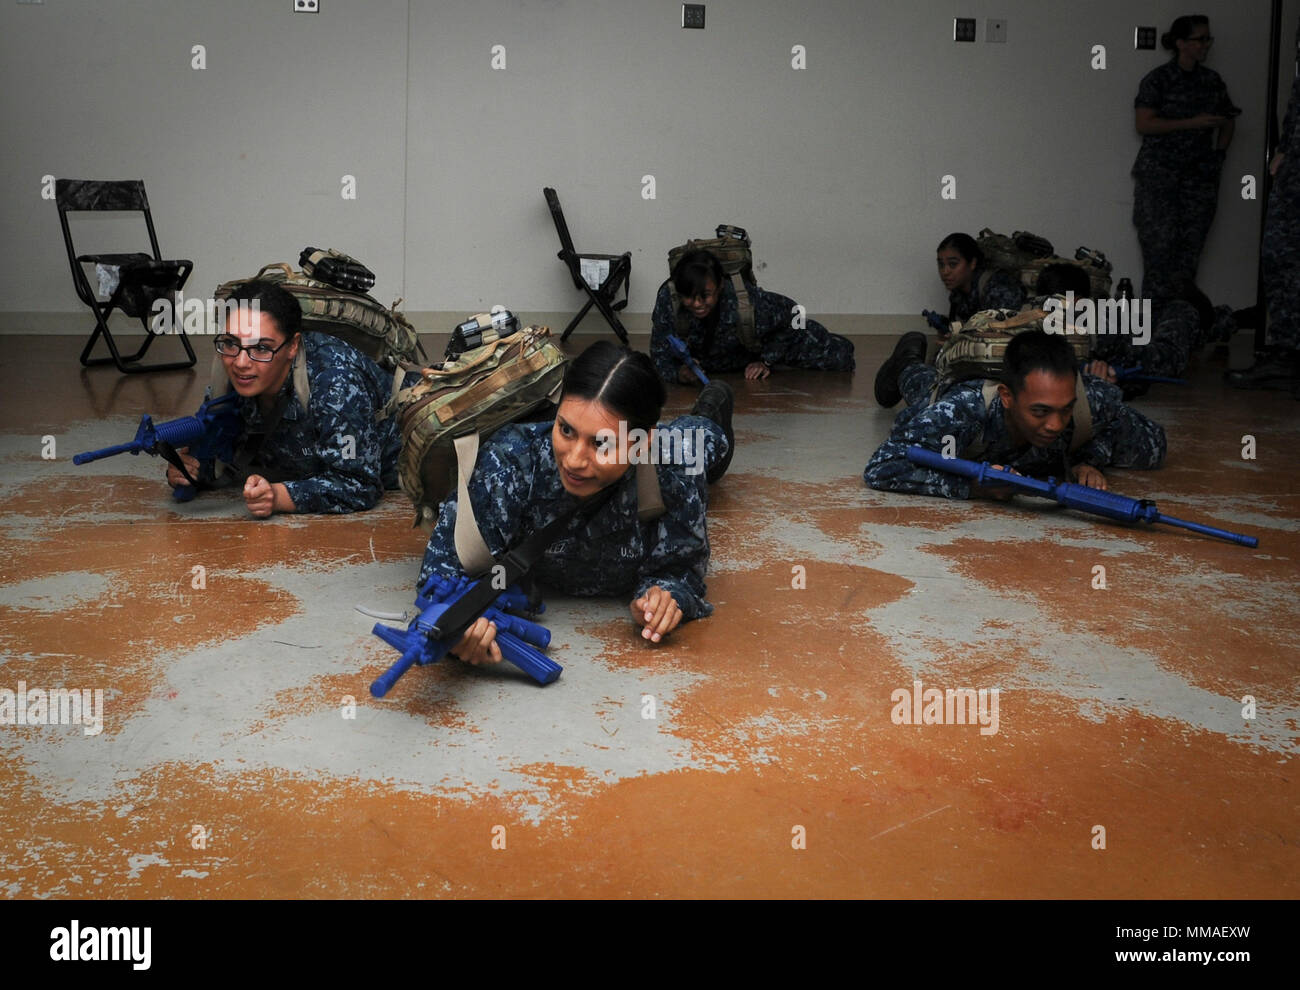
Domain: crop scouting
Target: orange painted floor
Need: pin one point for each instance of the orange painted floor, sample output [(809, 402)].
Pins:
[(226, 766)]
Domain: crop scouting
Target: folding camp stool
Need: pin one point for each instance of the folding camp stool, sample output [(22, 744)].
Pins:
[(141, 279), (600, 276)]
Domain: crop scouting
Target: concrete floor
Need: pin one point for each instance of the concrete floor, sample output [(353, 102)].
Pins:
[(771, 768)]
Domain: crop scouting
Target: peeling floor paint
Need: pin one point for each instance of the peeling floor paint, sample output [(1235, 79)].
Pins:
[(225, 702)]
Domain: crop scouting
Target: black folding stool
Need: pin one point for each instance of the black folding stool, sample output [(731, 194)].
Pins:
[(142, 279), (618, 275)]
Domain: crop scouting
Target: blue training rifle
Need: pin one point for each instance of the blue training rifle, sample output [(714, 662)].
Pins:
[(678, 347), (1135, 375), (1108, 505), (521, 641), (210, 434), (937, 320)]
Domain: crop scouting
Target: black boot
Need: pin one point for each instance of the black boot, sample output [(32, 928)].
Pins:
[(910, 349), (1276, 368), (716, 402)]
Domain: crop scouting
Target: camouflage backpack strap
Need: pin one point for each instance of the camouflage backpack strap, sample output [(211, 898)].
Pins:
[(681, 319), (649, 497), (989, 393), (301, 385), (745, 328), (475, 557), (1082, 415)]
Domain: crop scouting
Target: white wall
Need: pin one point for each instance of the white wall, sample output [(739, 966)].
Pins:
[(835, 169)]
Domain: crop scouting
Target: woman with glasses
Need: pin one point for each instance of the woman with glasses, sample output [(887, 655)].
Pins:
[(1186, 121), (708, 322), (322, 452)]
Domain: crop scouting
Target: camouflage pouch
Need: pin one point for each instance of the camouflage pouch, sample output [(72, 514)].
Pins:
[(732, 248), (337, 269), (382, 334)]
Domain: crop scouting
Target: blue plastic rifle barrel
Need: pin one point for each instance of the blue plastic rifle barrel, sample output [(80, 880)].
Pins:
[(95, 455), (1073, 496), (678, 347), (1134, 374), (410, 654)]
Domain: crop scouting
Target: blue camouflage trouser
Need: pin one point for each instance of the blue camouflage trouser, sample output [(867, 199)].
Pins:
[(1280, 257), (1173, 210), (915, 382)]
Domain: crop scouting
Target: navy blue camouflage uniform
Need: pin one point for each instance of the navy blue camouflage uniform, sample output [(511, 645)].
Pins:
[(1000, 290), (1121, 437), (1177, 176), (718, 348), (1176, 335), (331, 456), (516, 490), (1280, 252)]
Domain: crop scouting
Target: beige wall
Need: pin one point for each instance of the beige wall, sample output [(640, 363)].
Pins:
[(835, 169)]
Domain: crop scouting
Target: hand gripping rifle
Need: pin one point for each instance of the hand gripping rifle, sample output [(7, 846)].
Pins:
[(1109, 505), (678, 347), (520, 641), (210, 434)]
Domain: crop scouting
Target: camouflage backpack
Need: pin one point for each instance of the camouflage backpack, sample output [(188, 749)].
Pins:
[(1092, 262), (732, 249), (977, 348), (383, 335), (1012, 253), (1025, 255)]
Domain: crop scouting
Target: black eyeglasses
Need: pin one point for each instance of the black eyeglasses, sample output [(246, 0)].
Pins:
[(228, 346), (1204, 39)]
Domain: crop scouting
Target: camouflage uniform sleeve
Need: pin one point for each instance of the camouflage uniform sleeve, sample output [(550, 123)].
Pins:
[(773, 322), (662, 323), (1288, 122), (1150, 92), (1121, 436), (959, 414), (1224, 102), (1003, 292), (680, 555), (349, 447), (500, 490)]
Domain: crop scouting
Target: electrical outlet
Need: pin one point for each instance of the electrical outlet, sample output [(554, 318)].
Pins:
[(1144, 38), (963, 29), (693, 15), (995, 30), (306, 6)]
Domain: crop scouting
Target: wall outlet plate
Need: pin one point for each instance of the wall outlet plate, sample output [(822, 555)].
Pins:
[(306, 6), (963, 29), (693, 15), (995, 30), (1144, 38)]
